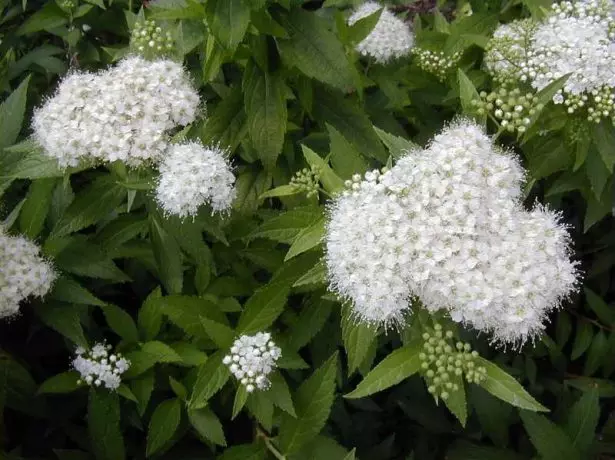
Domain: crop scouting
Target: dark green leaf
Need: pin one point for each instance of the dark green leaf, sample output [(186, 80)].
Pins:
[(163, 424), (12, 112), (206, 423), (548, 439), (104, 425)]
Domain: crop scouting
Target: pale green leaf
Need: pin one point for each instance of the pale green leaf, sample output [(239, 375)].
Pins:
[(12, 112), (307, 239), (357, 337), (331, 182), (66, 382)]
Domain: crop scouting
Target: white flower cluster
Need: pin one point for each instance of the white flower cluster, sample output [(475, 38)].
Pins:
[(390, 39), (98, 367), (446, 225), (123, 113), (252, 359), (23, 273), (192, 175), (576, 38)]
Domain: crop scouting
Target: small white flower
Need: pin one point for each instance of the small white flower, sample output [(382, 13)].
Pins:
[(390, 39), (192, 175), (98, 368), (254, 363), (23, 273)]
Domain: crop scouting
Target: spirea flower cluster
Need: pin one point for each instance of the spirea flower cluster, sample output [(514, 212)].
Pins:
[(576, 38), (252, 359), (512, 109), (23, 273), (390, 39), (436, 62), (446, 225), (100, 367), (307, 181), (444, 363), (192, 175), (148, 39), (123, 113)]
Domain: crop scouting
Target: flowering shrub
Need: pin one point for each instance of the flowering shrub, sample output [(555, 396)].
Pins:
[(287, 229)]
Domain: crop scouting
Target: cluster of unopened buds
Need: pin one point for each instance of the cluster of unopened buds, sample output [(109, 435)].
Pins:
[(307, 181), (99, 367), (512, 108), (372, 177), (444, 363), (149, 38), (252, 359), (436, 62)]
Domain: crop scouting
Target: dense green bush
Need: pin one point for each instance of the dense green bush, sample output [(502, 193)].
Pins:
[(299, 111)]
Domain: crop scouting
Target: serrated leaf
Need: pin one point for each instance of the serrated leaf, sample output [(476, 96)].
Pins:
[(282, 190), (331, 182), (265, 106), (68, 290), (605, 313), (261, 407), (345, 157), (604, 139), (149, 318), (503, 386), (262, 309), (219, 333), (313, 400), (398, 146), (315, 275), (397, 366), (34, 210), (357, 338), (256, 451), (47, 17), (168, 256), (363, 27), (64, 319), (241, 397), (121, 323), (207, 424), (315, 50), (211, 377), (90, 206), (162, 425), (66, 382), (548, 439), (583, 419), (185, 311), (596, 353), (161, 352), (285, 227), (467, 92), (104, 425), (313, 316), (456, 401), (279, 394), (307, 239), (142, 387), (12, 112), (228, 20), (582, 339)]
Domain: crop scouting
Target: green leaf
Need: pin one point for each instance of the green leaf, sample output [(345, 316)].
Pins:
[(161, 352), (207, 424), (583, 420), (228, 20), (68, 290), (398, 146), (66, 382), (34, 211), (285, 227), (548, 439), (279, 394), (310, 321), (467, 92), (64, 319), (582, 339), (315, 275), (104, 425), (313, 400), (357, 338), (241, 397), (261, 407), (363, 27), (351, 455), (142, 388), (211, 377), (150, 316), (186, 311), (121, 323), (262, 309), (345, 157), (12, 113), (604, 139), (605, 313), (351, 121), (504, 386), (90, 206), (493, 414), (219, 333), (330, 181), (399, 365), (307, 239), (167, 254), (256, 451), (595, 356), (282, 190), (456, 401), (265, 105), (315, 50), (226, 124), (48, 17), (163, 424)]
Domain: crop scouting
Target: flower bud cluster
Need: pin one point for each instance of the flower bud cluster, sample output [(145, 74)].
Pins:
[(444, 363), (123, 113), (148, 39), (511, 108), (446, 224), (307, 181), (390, 39), (98, 366), (23, 273), (436, 62), (575, 39), (252, 359), (192, 175)]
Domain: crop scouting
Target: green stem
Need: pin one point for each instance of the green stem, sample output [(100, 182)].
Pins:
[(273, 449)]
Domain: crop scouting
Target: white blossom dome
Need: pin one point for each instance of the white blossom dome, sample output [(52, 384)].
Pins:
[(99, 367), (123, 113), (192, 175), (390, 39), (252, 359), (446, 225), (23, 273)]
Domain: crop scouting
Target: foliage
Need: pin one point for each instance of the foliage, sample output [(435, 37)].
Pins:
[(286, 93)]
